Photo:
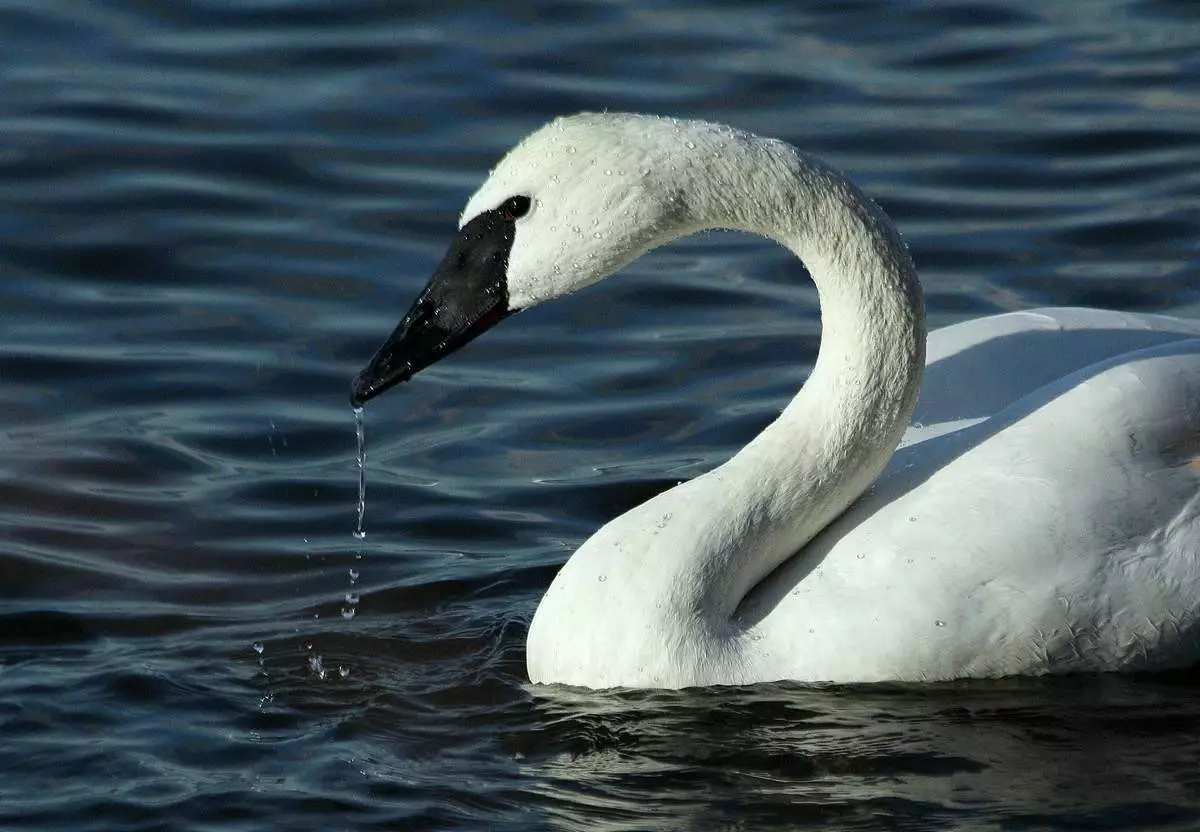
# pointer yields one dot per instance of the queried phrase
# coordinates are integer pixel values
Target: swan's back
(976, 368)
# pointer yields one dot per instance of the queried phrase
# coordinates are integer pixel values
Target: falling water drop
(359, 533)
(362, 473)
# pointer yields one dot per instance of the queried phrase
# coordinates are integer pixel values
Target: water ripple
(211, 213)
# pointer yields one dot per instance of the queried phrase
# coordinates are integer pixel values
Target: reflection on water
(868, 756)
(213, 211)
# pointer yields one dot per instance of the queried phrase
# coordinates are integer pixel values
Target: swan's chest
(628, 609)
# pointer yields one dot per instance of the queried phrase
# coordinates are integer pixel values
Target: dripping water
(359, 533)
(351, 596)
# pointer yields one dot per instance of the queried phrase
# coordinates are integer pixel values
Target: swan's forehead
(604, 153)
(571, 157)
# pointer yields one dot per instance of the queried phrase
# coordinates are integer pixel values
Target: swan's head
(573, 202)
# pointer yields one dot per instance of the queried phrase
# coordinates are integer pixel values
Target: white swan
(1042, 514)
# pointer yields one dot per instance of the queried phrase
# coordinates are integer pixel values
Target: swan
(1032, 507)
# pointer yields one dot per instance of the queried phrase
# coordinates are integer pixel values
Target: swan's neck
(839, 431)
(651, 599)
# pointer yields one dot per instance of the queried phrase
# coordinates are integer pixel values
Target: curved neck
(839, 431)
(652, 597)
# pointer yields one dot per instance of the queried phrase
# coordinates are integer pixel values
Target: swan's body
(1042, 514)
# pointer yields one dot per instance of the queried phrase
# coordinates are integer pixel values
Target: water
(212, 212)
(361, 460)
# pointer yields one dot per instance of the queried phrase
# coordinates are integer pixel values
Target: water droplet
(570, 148)
(576, 229)
(554, 178)
(353, 574)
(343, 671)
(912, 518)
(598, 236)
(608, 171)
(603, 578)
(939, 623)
(349, 612)
(691, 144)
(862, 555)
(258, 647)
(352, 598)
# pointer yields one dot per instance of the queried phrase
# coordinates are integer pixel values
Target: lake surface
(213, 211)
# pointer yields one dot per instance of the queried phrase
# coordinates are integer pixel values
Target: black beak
(466, 296)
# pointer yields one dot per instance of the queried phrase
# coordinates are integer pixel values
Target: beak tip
(369, 383)
(360, 392)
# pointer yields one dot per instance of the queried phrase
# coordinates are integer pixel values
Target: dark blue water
(212, 211)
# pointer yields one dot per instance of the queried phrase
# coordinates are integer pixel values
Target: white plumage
(1041, 515)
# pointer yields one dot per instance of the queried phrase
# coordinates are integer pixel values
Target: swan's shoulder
(956, 338)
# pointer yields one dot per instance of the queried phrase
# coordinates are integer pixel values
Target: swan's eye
(514, 207)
